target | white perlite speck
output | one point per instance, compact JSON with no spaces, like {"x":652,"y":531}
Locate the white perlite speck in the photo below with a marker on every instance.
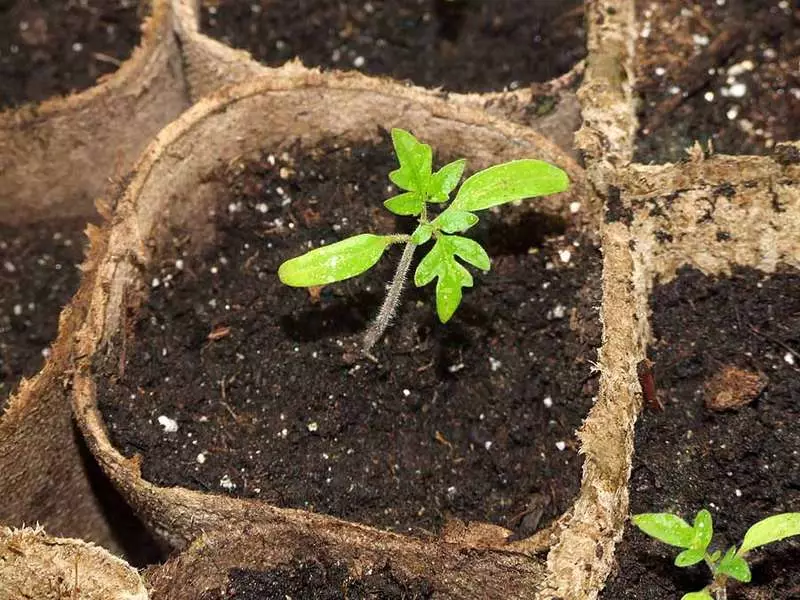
{"x":548,"y":402}
{"x":226,"y":484}
{"x":169,"y":425}
{"x":789,"y":358}
{"x":494,"y":364}
{"x":313,"y":426}
{"x":565,"y":255}
{"x":201,"y":458}
{"x":561,"y":446}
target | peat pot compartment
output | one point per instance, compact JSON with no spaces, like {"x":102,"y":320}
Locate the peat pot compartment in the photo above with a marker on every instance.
{"x":39,"y":273}
{"x":53,"y":48}
{"x":457,"y":45}
{"x":233,"y":383}
{"x":727,"y":371}
{"x":719,"y":72}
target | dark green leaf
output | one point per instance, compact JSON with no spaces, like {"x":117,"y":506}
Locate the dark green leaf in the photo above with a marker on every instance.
{"x":771,"y":529}
{"x":453,"y":220}
{"x":336,"y":262}
{"x":689,"y":557}
{"x":470,"y":251}
{"x":734,"y":566}
{"x":510,"y":181}
{"x":445,"y":181}
{"x":665,"y":527}
{"x":409,"y":203}
{"x":415,"y":160}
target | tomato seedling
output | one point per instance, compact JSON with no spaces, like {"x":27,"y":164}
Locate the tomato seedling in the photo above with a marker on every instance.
{"x":499,"y":184}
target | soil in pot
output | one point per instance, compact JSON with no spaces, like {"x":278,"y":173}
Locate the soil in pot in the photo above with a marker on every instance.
{"x":723,"y":339}
{"x":319,"y":581}
{"x":719,"y":71}
{"x":38,"y":276}
{"x":53,"y":47}
{"x":460,"y":45}
{"x":232,"y":383}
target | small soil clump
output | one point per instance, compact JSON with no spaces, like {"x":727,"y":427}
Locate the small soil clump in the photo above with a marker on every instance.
{"x":38,"y":275}
{"x":53,"y":47}
{"x":460,"y":45}
{"x":724,"y":72}
{"x":742,"y":464}
{"x":233,"y":383}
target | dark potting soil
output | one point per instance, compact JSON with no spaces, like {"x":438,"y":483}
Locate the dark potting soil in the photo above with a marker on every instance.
{"x":38,"y":276}
{"x":727,"y":71}
{"x":460,"y":45}
{"x":473,"y":419}
{"x":744,"y":464}
{"x":54,"y":47}
{"x":317,"y":581}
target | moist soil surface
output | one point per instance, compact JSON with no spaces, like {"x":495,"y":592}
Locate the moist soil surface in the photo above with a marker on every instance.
{"x":314,"y":580}
{"x":460,"y":45}
{"x":725,"y":71}
{"x":54,"y":47}
{"x":38,"y":276}
{"x":742,"y":464}
{"x":474,"y":419}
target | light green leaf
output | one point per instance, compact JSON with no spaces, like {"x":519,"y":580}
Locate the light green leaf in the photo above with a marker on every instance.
{"x":454,"y":220}
{"x":701,"y":595}
{"x":445,"y":181}
{"x":415,"y":160}
{"x":448,"y":289}
{"x":689,"y":557}
{"x":715,"y":556}
{"x":336,"y":262}
{"x":771,"y":529}
{"x":734,"y":566}
{"x":510,"y":181}
{"x":470,"y":251}
{"x":665,"y":527}
{"x":431,"y":265}
{"x":422,"y":233}
{"x":703,"y":530}
{"x":409,"y":203}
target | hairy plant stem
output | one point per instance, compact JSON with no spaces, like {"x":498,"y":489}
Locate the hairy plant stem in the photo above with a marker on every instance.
{"x":389,"y":306}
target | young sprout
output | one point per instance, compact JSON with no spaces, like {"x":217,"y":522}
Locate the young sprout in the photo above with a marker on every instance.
{"x":695,"y":539}
{"x":422,"y":187}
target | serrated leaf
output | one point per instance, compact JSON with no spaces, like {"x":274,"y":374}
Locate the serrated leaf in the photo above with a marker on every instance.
{"x":470,"y":251}
{"x":448,"y":289}
{"x":422,"y":233}
{"x":510,"y":181}
{"x":406,"y":204}
{"x":701,"y":595}
{"x":665,"y":527}
{"x":689,"y":557}
{"x":430,"y":266}
{"x":445,"y":180}
{"x":703,"y":530}
{"x":335,"y":262}
{"x":771,"y":529}
{"x":415,"y":160}
{"x":734,"y":566}
{"x":455,"y":221}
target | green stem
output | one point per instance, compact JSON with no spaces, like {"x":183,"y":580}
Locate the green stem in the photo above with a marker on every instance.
{"x":389,"y":306}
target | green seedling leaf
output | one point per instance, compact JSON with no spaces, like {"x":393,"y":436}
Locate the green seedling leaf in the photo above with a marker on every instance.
{"x":415,"y":160}
{"x":470,"y":251}
{"x":407,"y":204}
{"x":701,"y":595}
{"x":336,"y":262}
{"x":422,"y":234}
{"x":734,"y":566}
{"x":510,"y":181}
{"x":703,"y":530}
{"x":445,"y":181}
{"x":715,"y":556}
{"x":771,"y":529}
{"x":666,"y":527}
{"x":689,"y":557}
{"x":455,"y":221}
{"x":452,"y":276}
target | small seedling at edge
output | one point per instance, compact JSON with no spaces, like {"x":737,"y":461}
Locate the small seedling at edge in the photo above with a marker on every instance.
{"x":694,"y":539}
{"x":353,"y":256}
